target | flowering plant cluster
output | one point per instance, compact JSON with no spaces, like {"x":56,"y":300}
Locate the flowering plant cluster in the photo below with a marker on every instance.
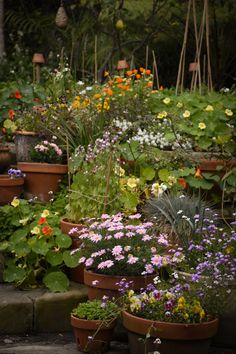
{"x":35,"y":249}
{"x":47,"y":152}
{"x":177,"y":303}
{"x":15,"y":173}
{"x":120,"y":245}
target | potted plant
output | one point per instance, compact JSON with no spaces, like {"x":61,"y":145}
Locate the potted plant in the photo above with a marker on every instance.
{"x":93,"y":323}
{"x":169,"y":318}
{"x":118,"y":246}
{"x":11,"y":185}
{"x":44,"y":174}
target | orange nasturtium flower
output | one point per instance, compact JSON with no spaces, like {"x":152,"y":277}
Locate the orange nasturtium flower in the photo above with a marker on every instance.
{"x":11,"y":114}
{"x":182,"y":183}
{"x":129,"y":72}
{"x":198,"y":173}
{"x":141,"y":69}
{"x":41,"y":221}
{"x":47,"y":230}
{"x":135,"y":71}
{"x":97,"y":95}
{"x":18,"y":95}
{"x":138,"y":76}
{"x":148,"y":72}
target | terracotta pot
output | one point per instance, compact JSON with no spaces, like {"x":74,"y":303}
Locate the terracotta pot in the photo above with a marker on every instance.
{"x":107,"y":284}
{"x":41,"y":178}
{"x":10,"y":188}
{"x":176,"y":338}
{"x":25,"y":141}
{"x":83,"y":329}
{"x":77,"y":273}
{"x":5,"y":158}
{"x":219,"y":166}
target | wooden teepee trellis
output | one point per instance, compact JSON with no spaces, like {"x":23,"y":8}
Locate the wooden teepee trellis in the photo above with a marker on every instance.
{"x":199,"y":36}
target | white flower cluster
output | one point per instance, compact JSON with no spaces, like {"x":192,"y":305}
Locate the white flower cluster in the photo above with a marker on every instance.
{"x":122,"y":124}
{"x":150,"y":138}
{"x":187,"y":144}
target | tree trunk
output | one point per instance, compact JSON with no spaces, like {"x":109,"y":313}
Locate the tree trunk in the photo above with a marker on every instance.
{"x":1,"y":28}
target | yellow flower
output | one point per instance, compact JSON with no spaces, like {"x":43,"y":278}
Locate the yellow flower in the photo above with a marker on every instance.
{"x":119,"y":171}
{"x":86,"y":102}
{"x":186,"y":114}
{"x":229,"y":250}
{"x":202,"y":314}
{"x":171,"y":180}
{"x":186,"y":316}
{"x":162,"y":115}
{"x":24,"y":221}
{"x":106,"y":106}
{"x":166,"y":100}
{"x":45,"y":213}
{"x":15,"y":202}
{"x":201,"y":125}
{"x":179,"y":105}
{"x":132,"y":182}
{"x":76,"y":104}
{"x":99,"y":107}
{"x":209,"y":108}
{"x":228,"y":112}
{"x":130,"y":293}
{"x":35,"y":230}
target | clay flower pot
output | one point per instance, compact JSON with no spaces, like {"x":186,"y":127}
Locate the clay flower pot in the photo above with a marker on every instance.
{"x":177,"y":338}
{"x":10,"y":188}
{"x":77,"y":273}
{"x":84,"y":330}
{"x":41,"y":179}
{"x":100,"y":284}
{"x":5,"y":158}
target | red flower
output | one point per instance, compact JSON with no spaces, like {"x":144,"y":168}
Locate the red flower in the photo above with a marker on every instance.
{"x":11,"y":114}
{"x":47,"y":230}
{"x":18,"y":95}
{"x":41,"y":221}
{"x":182,"y":183}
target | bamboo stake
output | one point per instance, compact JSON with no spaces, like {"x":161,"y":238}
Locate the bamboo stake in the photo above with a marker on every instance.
{"x":198,"y":71}
{"x":210,"y":86}
{"x":181,"y":63}
{"x":147,"y":52}
{"x":95,"y":61}
{"x":155,"y":70}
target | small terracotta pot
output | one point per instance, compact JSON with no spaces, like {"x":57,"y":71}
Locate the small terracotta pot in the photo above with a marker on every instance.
{"x":84,"y":329}
{"x":77,"y":273}
{"x":41,"y":179}
{"x":177,"y":338}
{"x":5,"y":158}
{"x":107,"y":284}
{"x":10,"y":188}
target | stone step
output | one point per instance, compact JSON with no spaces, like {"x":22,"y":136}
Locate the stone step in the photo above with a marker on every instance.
{"x":37,"y":310}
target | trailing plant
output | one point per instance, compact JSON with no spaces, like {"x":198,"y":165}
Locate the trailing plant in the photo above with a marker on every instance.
{"x":102,"y":310}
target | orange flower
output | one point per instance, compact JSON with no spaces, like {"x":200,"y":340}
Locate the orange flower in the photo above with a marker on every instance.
{"x":135,"y":71}
{"x":119,"y":79}
{"x":97,"y":95}
{"x":161,"y":88}
{"x":198,"y":173}
{"x":109,"y":92}
{"x":182,"y":183}
{"x":110,"y":82}
{"x":150,"y":84}
{"x":47,"y":230}
{"x":41,"y":221}
{"x":11,"y":114}
{"x":141,"y":70}
{"x":129,"y":72}
{"x":148,"y":72}
{"x":18,"y":95}
{"x":138,"y":76}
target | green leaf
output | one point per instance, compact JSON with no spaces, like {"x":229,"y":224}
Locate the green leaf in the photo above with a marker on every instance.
{"x":163,"y":174}
{"x":63,"y":241}
{"x":22,"y":249}
{"x":211,"y":176}
{"x":54,"y":258}
{"x":4,"y":245}
{"x":56,"y":281}
{"x":40,"y":247}
{"x":14,"y":274}
{"x":19,"y":235}
{"x":71,"y":260}
{"x":148,"y":173}
{"x":199,"y":183}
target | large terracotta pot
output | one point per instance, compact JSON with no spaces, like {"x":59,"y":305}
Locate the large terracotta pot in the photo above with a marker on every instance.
{"x":5,"y":158}
{"x":85,"y":329}
{"x":100,"y":284}
{"x":77,"y":273}
{"x":10,"y":188}
{"x":176,"y":338}
{"x":25,"y":141}
{"x":41,"y":179}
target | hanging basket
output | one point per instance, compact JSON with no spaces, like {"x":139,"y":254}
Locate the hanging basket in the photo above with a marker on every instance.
{"x":61,"y":19}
